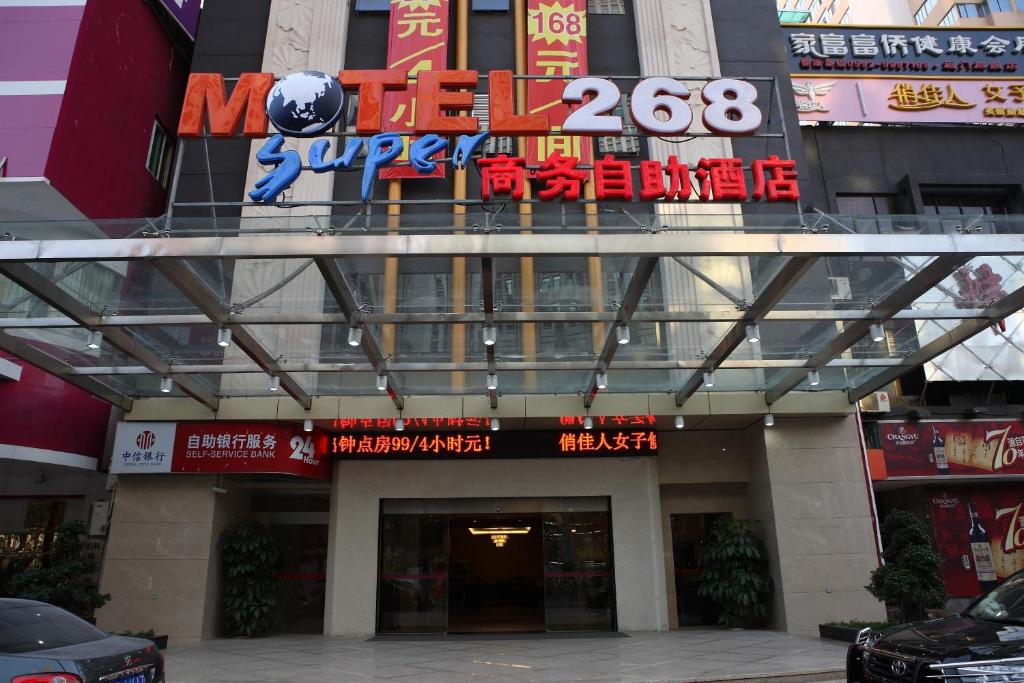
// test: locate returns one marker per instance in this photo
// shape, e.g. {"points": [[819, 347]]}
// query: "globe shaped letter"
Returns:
{"points": [[305, 104]]}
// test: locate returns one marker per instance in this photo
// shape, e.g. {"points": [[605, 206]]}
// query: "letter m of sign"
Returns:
{"points": [[206, 94]]}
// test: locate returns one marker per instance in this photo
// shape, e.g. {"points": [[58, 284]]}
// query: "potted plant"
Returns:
{"points": [[910, 581], [66, 577], [250, 561], [735, 574]]}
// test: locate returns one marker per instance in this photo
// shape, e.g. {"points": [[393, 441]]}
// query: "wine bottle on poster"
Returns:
{"points": [[984, 567], [939, 450]]}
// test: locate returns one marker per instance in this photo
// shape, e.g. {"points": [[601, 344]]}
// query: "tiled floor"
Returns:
{"points": [[646, 657]]}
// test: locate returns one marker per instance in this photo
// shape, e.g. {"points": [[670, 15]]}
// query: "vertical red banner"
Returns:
{"points": [[556, 45], [417, 41]]}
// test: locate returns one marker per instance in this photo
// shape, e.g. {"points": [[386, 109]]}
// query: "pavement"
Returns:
{"points": [[678, 656]]}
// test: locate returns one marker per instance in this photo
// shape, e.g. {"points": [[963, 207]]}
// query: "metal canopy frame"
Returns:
{"points": [[798, 253], [925, 279]]}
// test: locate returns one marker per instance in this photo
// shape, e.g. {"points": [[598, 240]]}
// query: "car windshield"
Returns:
{"points": [[1005, 603], [42, 627]]}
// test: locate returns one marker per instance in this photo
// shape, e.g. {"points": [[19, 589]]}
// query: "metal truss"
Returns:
{"points": [[925, 279], [627, 307], [790, 273], [181, 276], [53, 366], [350, 308], [37, 284], [1009, 304]]}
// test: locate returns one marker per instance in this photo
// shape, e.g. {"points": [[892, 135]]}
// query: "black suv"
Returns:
{"points": [[984, 644]]}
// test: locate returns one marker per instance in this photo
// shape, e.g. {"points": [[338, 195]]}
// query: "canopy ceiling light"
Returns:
{"points": [[709, 379], [877, 331], [588, 422], [769, 420], [307, 425], [492, 381], [490, 335], [95, 339], [166, 384], [813, 378], [399, 425], [753, 333], [355, 336], [495, 424], [680, 422], [622, 333], [274, 383], [224, 337], [602, 380], [382, 382]]}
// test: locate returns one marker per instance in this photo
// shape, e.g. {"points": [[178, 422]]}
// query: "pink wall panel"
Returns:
{"points": [[36, 43]]}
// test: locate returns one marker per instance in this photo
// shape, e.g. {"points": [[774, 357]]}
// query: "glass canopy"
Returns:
{"points": [[508, 305]]}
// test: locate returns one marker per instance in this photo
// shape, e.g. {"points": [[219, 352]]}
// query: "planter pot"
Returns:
{"points": [[160, 642], [845, 634]]}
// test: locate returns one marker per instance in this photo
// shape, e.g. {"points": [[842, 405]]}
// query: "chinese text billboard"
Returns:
{"points": [[417, 41], [556, 46], [979, 533], [216, 447], [928, 449]]}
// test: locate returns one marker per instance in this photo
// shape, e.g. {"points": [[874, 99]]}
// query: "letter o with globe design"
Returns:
{"points": [[305, 104]]}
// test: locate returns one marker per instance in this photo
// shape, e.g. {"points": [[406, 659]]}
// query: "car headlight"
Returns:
{"points": [[999, 671], [867, 637]]}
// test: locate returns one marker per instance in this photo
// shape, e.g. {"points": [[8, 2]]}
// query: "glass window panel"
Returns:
{"points": [[579, 575], [413, 592]]}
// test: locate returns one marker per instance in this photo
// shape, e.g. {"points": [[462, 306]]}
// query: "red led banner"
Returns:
{"points": [[556, 45], [219, 447], [977, 551], [417, 41], [459, 445], [928, 449]]}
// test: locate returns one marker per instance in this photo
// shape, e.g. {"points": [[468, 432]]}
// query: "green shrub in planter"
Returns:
{"points": [[910, 581], [250, 560], [735, 574]]}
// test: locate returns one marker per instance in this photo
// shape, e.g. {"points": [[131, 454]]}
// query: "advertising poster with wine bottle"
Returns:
{"points": [[979, 532], [939, 448]]}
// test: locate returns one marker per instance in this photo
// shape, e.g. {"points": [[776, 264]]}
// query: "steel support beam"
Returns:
{"points": [[512, 317], [627, 307], [487, 284], [195, 290], [1006, 306], [371, 346], [925, 279], [666, 243], [47, 363], [38, 285], [790, 273]]}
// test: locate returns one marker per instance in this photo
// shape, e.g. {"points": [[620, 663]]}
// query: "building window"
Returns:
{"points": [[158, 160], [999, 6], [924, 10], [490, 5], [628, 143], [373, 6], [606, 6]]}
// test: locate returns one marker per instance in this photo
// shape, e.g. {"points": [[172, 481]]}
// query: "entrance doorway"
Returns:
{"points": [[496, 566], [496, 574]]}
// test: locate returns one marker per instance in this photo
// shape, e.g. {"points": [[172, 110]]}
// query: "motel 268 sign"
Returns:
{"points": [[308, 104]]}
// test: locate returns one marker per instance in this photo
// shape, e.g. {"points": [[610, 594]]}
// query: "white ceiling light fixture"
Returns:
{"points": [[382, 382], [588, 423], [877, 331], [307, 425], [166, 384], [95, 339], [769, 420], [224, 337], [355, 336], [602, 380], [495, 424], [680, 422], [399, 425], [709, 379], [753, 333], [622, 333], [492, 381], [274, 383], [813, 378]]}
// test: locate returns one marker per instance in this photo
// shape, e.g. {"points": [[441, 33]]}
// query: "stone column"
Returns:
{"points": [[810, 492]]}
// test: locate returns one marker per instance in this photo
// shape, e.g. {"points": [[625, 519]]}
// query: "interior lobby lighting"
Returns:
{"points": [[602, 380], [588, 422], [622, 334], [813, 378], [274, 384], [166, 384], [495, 424], [680, 422], [492, 381], [769, 420], [224, 337], [877, 332], [382, 382], [490, 335], [753, 333], [307, 425], [709, 379], [507, 530], [95, 339], [355, 336], [399, 425], [499, 540]]}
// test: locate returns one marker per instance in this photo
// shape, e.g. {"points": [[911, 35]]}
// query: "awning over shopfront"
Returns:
{"points": [[321, 307]]}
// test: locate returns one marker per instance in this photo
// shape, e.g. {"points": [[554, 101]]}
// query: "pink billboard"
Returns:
{"points": [[909, 100]]}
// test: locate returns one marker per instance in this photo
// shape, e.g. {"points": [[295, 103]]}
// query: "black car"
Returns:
{"points": [[40, 643], [984, 644]]}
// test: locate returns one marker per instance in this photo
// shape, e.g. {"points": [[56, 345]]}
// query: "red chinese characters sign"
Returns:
{"points": [[928, 449], [556, 46], [441, 446], [417, 41], [979, 533], [219, 447]]}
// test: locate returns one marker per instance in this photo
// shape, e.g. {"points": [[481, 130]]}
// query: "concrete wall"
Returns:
{"points": [[358, 488], [162, 565], [808, 490]]}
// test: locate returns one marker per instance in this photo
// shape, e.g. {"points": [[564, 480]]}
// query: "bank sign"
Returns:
{"points": [[435, 107], [219, 447]]}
